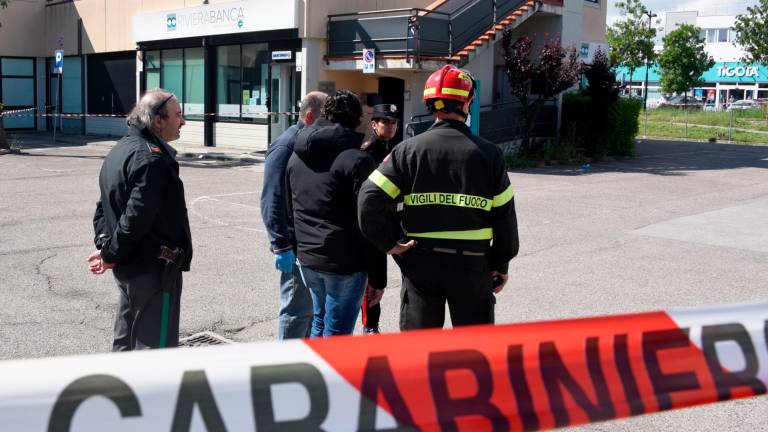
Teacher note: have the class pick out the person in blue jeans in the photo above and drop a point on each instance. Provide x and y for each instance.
(295, 316)
(322, 180)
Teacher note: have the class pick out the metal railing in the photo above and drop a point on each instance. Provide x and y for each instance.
(415, 32)
(504, 121)
(499, 122)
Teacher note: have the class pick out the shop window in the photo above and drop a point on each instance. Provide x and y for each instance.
(17, 67)
(722, 35)
(72, 94)
(181, 72)
(172, 73)
(194, 83)
(70, 97)
(228, 82)
(17, 84)
(152, 69)
(255, 82)
(242, 74)
(111, 83)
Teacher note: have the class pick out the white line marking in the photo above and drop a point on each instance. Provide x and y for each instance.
(218, 221)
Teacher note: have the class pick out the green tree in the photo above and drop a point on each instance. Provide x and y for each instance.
(752, 33)
(630, 41)
(683, 60)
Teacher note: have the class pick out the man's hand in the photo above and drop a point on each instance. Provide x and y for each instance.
(97, 265)
(373, 294)
(401, 248)
(284, 261)
(504, 278)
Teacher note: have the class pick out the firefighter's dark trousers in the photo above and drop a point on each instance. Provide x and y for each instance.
(140, 308)
(430, 279)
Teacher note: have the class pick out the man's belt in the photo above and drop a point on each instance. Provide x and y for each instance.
(452, 251)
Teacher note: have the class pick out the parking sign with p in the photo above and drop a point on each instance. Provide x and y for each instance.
(58, 57)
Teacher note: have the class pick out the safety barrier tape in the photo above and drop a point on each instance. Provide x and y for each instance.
(17, 113)
(508, 377)
(9, 113)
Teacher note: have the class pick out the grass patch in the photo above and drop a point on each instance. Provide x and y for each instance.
(677, 131)
(670, 123)
(744, 119)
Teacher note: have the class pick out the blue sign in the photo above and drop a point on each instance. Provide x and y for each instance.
(58, 57)
(369, 60)
(724, 72)
(170, 22)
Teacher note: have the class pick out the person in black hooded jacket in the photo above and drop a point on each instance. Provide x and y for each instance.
(322, 180)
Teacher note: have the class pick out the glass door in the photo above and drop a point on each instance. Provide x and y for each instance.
(281, 98)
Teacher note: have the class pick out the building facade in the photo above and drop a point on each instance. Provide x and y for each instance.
(240, 67)
(727, 81)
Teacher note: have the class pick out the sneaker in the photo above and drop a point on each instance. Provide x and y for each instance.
(371, 330)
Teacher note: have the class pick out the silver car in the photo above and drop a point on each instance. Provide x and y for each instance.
(743, 105)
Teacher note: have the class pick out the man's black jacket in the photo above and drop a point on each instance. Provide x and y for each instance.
(142, 205)
(455, 191)
(323, 177)
(377, 147)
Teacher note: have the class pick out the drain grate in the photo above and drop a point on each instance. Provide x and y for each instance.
(204, 339)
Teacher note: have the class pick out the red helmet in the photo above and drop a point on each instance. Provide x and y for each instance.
(449, 82)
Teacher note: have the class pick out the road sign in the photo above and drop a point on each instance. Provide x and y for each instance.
(369, 60)
(58, 57)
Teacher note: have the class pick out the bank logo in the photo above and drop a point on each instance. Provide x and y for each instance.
(240, 23)
(170, 22)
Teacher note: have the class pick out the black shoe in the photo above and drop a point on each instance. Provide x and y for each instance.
(371, 330)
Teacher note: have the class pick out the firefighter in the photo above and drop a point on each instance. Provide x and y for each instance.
(378, 144)
(459, 215)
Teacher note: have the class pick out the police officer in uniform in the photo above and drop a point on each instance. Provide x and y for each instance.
(141, 225)
(383, 128)
(378, 144)
(459, 216)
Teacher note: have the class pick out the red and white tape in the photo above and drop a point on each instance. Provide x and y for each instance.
(28, 113)
(507, 377)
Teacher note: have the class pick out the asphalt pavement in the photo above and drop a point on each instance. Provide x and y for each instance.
(680, 224)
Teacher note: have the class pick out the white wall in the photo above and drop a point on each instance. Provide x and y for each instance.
(482, 68)
(244, 136)
(192, 133)
(105, 126)
(720, 51)
(571, 24)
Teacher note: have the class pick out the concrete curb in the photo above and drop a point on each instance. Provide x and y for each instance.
(184, 151)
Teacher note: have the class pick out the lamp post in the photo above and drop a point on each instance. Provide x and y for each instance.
(650, 16)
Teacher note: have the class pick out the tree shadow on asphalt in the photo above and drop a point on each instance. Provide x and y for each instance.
(670, 158)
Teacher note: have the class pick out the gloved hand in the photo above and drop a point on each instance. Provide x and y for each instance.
(284, 261)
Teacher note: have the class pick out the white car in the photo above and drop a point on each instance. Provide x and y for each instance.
(743, 105)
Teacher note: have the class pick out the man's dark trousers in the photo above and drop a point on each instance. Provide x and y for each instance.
(139, 319)
(430, 279)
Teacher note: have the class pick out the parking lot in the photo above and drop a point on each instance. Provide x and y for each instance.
(681, 224)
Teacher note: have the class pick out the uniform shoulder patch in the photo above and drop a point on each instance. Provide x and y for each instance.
(153, 148)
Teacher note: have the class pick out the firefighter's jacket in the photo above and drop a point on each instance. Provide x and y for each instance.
(456, 193)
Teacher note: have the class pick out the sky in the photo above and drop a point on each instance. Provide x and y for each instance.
(705, 7)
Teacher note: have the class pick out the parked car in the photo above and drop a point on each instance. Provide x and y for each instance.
(678, 101)
(744, 104)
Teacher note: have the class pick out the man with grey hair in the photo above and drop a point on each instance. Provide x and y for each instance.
(141, 225)
(295, 316)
